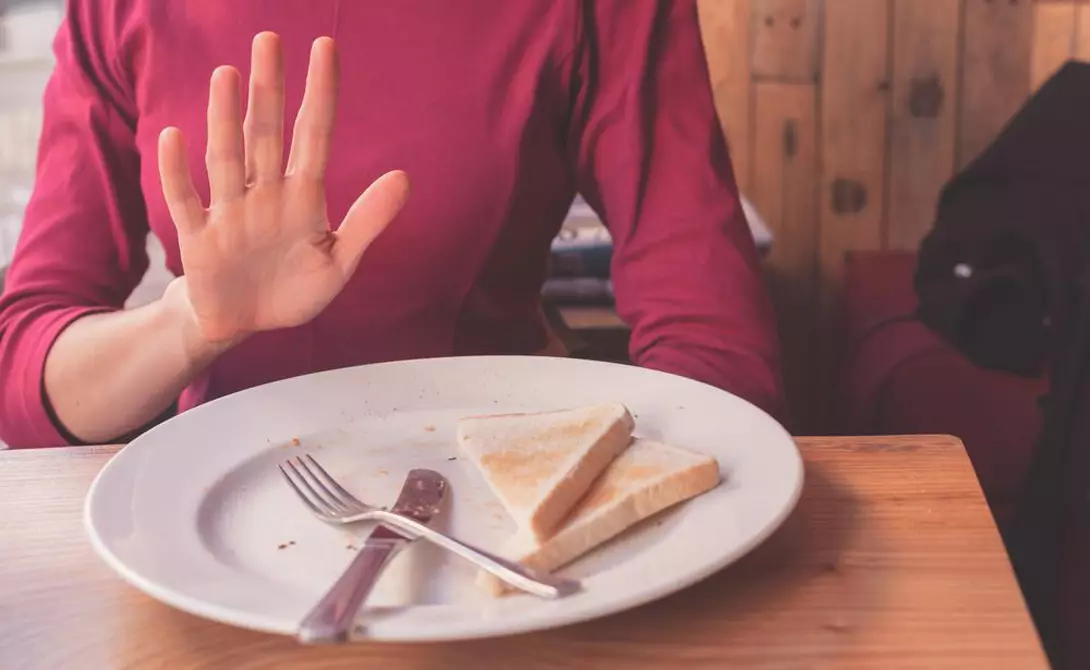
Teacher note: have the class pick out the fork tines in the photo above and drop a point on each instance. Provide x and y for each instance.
(317, 488)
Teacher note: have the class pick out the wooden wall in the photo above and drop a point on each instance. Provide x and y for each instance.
(846, 117)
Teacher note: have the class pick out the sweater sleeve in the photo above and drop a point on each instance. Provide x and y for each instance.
(652, 161)
(82, 247)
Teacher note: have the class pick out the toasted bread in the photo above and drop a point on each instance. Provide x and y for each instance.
(646, 479)
(540, 465)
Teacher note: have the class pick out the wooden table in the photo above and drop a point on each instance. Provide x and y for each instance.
(890, 561)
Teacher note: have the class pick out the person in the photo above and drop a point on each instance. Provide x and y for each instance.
(498, 112)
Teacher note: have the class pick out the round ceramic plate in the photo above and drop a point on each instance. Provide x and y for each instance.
(195, 512)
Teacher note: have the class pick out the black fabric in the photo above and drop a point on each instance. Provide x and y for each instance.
(1056, 488)
(1003, 276)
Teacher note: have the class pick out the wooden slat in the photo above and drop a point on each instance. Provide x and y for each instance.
(1082, 32)
(784, 178)
(996, 60)
(1054, 34)
(854, 102)
(725, 27)
(785, 192)
(785, 39)
(923, 118)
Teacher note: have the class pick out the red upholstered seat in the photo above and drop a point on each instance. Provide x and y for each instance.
(896, 376)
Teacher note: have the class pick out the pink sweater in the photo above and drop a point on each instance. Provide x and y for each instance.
(498, 110)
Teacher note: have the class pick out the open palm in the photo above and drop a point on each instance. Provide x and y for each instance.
(263, 255)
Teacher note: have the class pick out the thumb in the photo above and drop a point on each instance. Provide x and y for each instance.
(368, 217)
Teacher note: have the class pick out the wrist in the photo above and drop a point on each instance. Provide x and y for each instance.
(178, 312)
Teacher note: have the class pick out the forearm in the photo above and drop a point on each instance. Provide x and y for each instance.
(110, 374)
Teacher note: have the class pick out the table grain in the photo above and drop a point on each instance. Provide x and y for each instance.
(891, 561)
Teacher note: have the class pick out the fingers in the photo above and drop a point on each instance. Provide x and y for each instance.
(264, 125)
(368, 217)
(314, 124)
(224, 154)
(183, 203)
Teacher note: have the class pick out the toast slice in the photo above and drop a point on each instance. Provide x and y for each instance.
(540, 465)
(646, 479)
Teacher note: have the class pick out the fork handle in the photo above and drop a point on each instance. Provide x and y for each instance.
(518, 576)
(332, 619)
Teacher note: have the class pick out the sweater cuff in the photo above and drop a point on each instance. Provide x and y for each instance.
(40, 427)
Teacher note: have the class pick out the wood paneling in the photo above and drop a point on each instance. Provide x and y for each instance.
(996, 61)
(725, 28)
(1054, 36)
(1082, 31)
(785, 179)
(785, 41)
(854, 104)
(923, 116)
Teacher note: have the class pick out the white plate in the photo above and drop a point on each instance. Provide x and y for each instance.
(195, 513)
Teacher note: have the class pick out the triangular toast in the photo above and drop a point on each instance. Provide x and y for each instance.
(540, 465)
(646, 479)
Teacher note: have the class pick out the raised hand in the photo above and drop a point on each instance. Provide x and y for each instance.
(263, 255)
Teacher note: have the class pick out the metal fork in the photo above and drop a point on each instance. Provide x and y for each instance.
(330, 502)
